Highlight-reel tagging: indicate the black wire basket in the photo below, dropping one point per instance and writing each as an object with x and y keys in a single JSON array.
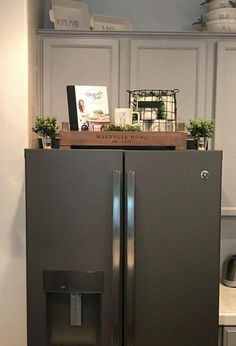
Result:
[{"x": 154, "y": 110}]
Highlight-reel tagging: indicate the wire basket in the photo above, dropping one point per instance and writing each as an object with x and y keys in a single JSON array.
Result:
[{"x": 154, "y": 110}]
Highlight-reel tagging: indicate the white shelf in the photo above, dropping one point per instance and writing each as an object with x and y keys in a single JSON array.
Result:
[{"x": 138, "y": 34}]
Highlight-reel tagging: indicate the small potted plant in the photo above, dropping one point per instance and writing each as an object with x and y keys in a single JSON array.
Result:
[
  {"x": 201, "y": 130},
  {"x": 200, "y": 24},
  {"x": 46, "y": 128}
]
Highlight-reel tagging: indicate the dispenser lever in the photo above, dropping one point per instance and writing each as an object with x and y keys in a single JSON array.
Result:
[{"x": 75, "y": 310}]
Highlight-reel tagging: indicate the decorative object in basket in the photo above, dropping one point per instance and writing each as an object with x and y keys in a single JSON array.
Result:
[
  {"x": 156, "y": 109},
  {"x": 70, "y": 15},
  {"x": 88, "y": 107}
]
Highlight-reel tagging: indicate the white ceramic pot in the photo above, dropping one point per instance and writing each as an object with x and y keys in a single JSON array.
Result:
[
  {"x": 227, "y": 25},
  {"x": 221, "y": 13},
  {"x": 214, "y": 4}
]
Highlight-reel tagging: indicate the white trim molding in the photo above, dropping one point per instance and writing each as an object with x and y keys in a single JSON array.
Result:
[{"x": 226, "y": 121}]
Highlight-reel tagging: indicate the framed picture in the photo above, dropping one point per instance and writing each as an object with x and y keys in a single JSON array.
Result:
[{"x": 88, "y": 107}]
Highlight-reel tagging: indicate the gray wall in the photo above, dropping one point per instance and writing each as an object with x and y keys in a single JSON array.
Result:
[{"x": 146, "y": 15}]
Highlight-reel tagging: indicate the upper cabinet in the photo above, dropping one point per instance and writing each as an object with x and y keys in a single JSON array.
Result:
[
  {"x": 76, "y": 61},
  {"x": 201, "y": 65},
  {"x": 172, "y": 64},
  {"x": 225, "y": 138}
]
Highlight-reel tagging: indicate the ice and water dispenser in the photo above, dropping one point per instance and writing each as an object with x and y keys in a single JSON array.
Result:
[{"x": 73, "y": 307}]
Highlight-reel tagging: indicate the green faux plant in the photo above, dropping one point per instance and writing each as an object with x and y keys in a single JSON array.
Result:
[
  {"x": 201, "y": 128},
  {"x": 201, "y": 21},
  {"x": 135, "y": 128},
  {"x": 45, "y": 127}
]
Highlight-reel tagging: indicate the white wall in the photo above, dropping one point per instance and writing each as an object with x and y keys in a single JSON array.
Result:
[
  {"x": 146, "y": 15},
  {"x": 35, "y": 21},
  {"x": 13, "y": 139}
]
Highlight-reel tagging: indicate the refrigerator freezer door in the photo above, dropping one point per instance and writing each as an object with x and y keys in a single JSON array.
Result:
[
  {"x": 176, "y": 248},
  {"x": 73, "y": 226}
]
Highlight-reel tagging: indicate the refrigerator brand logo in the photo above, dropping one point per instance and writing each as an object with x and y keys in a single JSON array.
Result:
[{"x": 124, "y": 138}]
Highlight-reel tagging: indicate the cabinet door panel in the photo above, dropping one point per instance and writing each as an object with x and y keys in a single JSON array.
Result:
[
  {"x": 172, "y": 267},
  {"x": 229, "y": 336},
  {"x": 225, "y": 138},
  {"x": 77, "y": 61},
  {"x": 168, "y": 64}
]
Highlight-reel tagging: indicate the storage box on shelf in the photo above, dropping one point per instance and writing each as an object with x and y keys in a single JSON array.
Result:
[
  {"x": 177, "y": 139},
  {"x": 123, "y": 138}
]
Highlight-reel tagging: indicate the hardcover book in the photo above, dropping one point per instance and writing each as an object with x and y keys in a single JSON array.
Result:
[{"x": 88, "y": 107}]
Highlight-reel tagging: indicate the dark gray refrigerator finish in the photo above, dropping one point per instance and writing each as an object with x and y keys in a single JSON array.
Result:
[{"x": 123, "y": 247}]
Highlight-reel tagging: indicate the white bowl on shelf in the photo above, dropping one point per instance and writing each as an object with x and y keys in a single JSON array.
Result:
[
  {"x": 214, "y": 4},
  {"x": 223, "y": 25},
  {"x": 221, "y": 13}
]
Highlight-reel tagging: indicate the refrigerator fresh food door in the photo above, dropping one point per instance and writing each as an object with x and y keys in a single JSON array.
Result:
[
  {"x": 73, "y": 247},
  {"x": 172, "y": 247}
]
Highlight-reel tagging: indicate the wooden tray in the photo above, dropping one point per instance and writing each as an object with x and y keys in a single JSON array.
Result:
[{"x": 123, "y": 138}]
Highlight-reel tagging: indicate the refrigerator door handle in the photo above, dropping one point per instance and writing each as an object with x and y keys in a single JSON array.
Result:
[
  {"x": 130, "y": 256},
  {"x": 116, "y": 257}
]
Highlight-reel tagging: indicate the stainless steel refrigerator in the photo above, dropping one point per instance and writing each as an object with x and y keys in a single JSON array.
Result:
[{"x": 122, "y": 247}]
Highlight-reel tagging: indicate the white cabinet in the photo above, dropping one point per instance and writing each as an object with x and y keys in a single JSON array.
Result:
[
  {"x": 229, "y": 336},
  {"x": 225, "y": 137},
  {"x": 201, "y": 65},
  {"x": 76, "y": 61},
  {"x": 122, "y": 63},
  {"x": 172, "y": 64}
]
